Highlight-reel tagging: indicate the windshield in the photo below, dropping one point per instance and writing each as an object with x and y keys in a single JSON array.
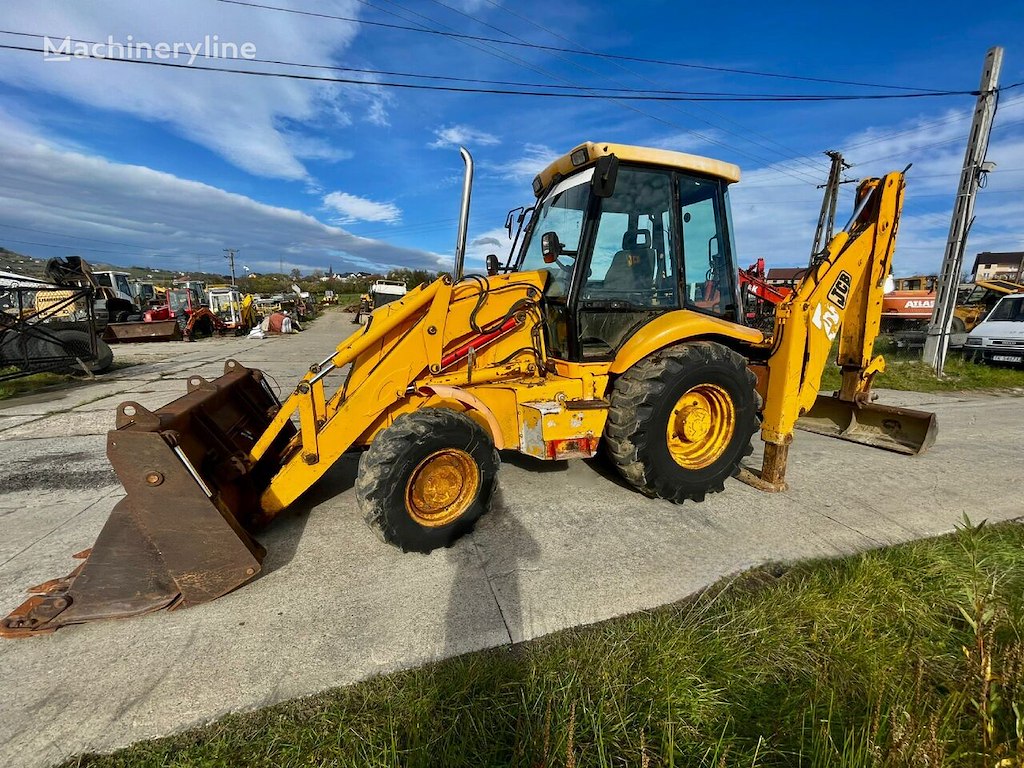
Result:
[
  {"x": 1010, "y": 308},
  {"x": 561, "y": 212},
  {"x": 177, "y": 299}
]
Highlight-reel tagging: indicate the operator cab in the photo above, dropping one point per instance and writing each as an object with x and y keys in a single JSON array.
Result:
[{"x": 626, "y": 234}]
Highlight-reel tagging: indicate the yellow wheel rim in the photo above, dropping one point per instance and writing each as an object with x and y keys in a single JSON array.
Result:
[
  {"x": 442, "y": 487},
  {"x": 701, "y": 426}
]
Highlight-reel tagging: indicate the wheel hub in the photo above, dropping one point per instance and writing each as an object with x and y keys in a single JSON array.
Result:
[
  {"x": 442, "y": 487},
  {"x": 701, "y": 426},
  {"x": 693, "y": 423}
]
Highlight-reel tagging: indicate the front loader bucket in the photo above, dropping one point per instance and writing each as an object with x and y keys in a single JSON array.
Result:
[
  {"x": 181, "y": 535},
  {"x": 160, "y": 330},
  {"x": 902, "y": 430}
]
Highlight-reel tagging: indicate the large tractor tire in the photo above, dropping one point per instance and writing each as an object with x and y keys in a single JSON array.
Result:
[
  {"x": 78, "y": 343},
  {"x": 681, "y": 420},
  {"x": 426, "y": 479}
]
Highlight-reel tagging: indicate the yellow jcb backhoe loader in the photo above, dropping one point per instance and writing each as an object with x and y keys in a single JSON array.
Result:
[{"x": 617, "y": 324}]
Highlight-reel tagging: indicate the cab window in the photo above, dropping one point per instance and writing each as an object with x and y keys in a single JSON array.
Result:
[
  {"x": 706, "y": 260},
  {"x": 123, "y": 286},
  {"x": 562, "y": 213}
]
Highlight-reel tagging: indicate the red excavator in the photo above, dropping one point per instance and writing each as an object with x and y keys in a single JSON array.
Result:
[{"x": 183, "y": 315}]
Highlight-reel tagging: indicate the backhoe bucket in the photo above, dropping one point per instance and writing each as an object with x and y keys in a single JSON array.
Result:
[
  {"x": 181, "y": 535},
  {"x": 159, "y": 330},
  {"x": 902, "y": 430}
]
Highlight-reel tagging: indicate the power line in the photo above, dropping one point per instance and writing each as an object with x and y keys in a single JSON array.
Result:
[
  {"x": 76, "y": 237},
  {"x": 412, "y": 75},
  {"x": 71, "y": 247},
  {"x": 949, "y": 119},
  {"x": 762, "y": 98},
  {"x": 746, "y": 135},
  {"x": 934, "y": 144},
  {"x": 580, "y": 52},
  {"x": 909, "y": 198},
  {"x": 632, "y": 107}
]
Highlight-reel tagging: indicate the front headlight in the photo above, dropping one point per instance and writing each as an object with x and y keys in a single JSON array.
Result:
[{"x": 973, "y": 342}]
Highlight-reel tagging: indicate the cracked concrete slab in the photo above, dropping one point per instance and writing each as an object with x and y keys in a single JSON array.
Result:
[{"x": 565, "y": 544}]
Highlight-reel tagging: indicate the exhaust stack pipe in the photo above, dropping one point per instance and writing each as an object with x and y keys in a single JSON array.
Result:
[{"x": 467, "y": 190}]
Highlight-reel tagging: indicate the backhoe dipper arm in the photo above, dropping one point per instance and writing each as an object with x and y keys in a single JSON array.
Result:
[{"x": 842, "y": 293}]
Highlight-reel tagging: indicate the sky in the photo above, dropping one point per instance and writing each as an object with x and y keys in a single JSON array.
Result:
[{"x": 136, "y": 164}]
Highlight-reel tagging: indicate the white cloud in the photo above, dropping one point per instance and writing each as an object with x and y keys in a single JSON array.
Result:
[
  {"x": 235, "y": 116},
  {"x": 694, "y": 142},
  {"x": 775, "y": 214},
  {"x": 492, "y": 241},
  {"x": 171, "y": 219},
  {"x": 462, "y": 135},
  {"x": 534, "y": 159},
  {"x": 352, "y": 208}
]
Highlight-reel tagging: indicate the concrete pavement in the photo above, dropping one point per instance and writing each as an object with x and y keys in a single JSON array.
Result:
[{"x": 565, "y": 544}]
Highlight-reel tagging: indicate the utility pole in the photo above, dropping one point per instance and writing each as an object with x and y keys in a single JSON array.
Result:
[
  {"x": 229, "y": 254},
  {"x": 827, "y": 217},
  {"x": 936, "y": 342}
]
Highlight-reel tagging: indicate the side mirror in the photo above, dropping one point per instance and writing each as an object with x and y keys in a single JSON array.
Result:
[
  {"x": 605, "y": 172},
  {"x": 550, "y": 247},
  {"x": 493, "y": 265}
]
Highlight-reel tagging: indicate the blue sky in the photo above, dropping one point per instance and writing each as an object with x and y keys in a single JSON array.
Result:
[{"x": 146, "y": 165}]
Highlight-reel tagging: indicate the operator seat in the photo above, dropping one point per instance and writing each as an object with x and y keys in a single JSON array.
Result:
[{"x": 632, "y": 268}]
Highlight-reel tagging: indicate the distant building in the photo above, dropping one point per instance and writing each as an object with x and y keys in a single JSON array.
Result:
[
  {"x": 998, "y": 266},
  {"x": 785, "y": 276}
]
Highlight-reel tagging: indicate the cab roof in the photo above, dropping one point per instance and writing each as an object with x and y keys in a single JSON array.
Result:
[{"x": 587, "y": 153}]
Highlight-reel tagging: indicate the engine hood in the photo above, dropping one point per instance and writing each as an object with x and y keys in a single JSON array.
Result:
[{"x": 1003, "y": 329}]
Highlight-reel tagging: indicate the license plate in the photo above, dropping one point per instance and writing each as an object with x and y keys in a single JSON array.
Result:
[{"x": 1007, "y": 358}]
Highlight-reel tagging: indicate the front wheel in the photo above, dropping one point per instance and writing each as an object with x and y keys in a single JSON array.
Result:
[
  {"x": 426, "y": 479},
  {"x": 681, "y": 420}
]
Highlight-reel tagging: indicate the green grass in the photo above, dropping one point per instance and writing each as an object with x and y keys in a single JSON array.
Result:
[
  {"x": 49, "y": 382},
  {"x": 344, "y": 299},
  {"x": 37, "y": 382},
  {"x": 905, "y": 371},
  {"x": 909, "y": 656}
]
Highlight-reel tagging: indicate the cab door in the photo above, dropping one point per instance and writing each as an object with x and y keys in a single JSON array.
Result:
[{"x": 631, "y": 275}]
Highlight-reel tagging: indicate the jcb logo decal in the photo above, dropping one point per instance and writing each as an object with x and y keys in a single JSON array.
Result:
[
  {"x": 840, "y": 290},
  {"x": 827, "y": 320}
]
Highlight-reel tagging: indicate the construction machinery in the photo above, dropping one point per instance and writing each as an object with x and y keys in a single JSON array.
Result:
[
  {"x": 51, "y": 326},
  {"x": 235, "y": 311},
  {"x": 760, "y": 297},
  {"x": 184, "y": 314},
  {"x": 907, "y": 309},
  {"x": 616, "y": 326},
  {"x": 381, "y": 292}
]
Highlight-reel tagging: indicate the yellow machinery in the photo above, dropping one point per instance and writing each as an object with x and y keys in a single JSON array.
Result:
[{"x": 618, "y": 324}]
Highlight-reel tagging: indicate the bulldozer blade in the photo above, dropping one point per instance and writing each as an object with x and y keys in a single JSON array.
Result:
[
  {"x": 903, "y": 430},
  {"x": 160, "y": 330},
  {"x": 181, "y": 535}
]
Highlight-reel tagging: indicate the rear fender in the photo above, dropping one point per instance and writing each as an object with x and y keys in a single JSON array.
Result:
[{"x": 679, "y": 326}]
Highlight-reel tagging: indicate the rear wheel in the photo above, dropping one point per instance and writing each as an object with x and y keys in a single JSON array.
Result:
[
  {"x": 681, "y": 420},
  {"x": 427, "y": 478}
]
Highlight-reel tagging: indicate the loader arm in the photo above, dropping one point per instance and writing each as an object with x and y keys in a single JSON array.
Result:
[
  {"x": 841, "y": 296},
  {"x": 407, "y": 344}
]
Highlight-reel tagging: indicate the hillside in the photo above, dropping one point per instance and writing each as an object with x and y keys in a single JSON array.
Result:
[{"x": 11, "y": 261}]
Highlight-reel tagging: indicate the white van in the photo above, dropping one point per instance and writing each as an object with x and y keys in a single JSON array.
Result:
[{"x": 1000, "y": 337}]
